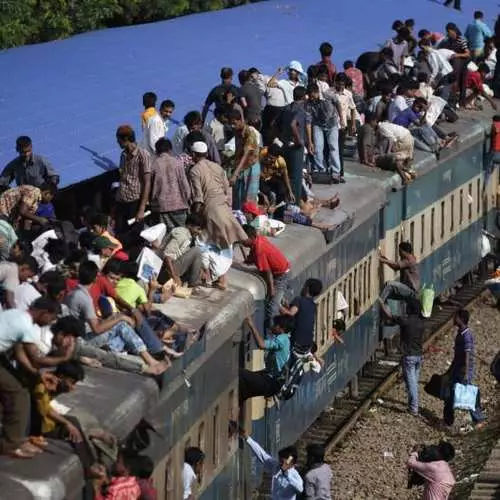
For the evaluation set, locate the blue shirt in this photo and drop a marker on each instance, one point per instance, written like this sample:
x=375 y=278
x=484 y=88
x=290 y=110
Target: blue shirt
x=278 y=352
x=406 y=118
x=285 y=485
x=476 y=33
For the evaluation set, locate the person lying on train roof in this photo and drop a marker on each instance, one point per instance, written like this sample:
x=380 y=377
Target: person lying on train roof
x=273 y=266
x=286 y=481
x=409 y=281
x=267 y=382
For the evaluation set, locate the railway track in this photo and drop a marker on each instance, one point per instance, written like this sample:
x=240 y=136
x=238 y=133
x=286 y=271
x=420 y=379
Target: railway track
x=378 y=376
x=487 y=485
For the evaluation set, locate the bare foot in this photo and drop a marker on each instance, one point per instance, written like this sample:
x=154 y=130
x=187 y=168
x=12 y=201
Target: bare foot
x=157 y=369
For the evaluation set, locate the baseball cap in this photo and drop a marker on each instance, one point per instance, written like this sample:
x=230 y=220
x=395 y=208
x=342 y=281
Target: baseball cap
x=101 y=242
x=250 y=207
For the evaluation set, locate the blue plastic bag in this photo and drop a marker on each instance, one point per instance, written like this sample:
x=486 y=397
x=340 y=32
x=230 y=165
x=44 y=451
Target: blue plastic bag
x=465 y=397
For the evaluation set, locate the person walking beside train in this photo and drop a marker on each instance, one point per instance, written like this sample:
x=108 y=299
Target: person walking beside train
x=412 y=328
x=409 y=282
x=286 y=481
x=462 y=369
x=318 y=479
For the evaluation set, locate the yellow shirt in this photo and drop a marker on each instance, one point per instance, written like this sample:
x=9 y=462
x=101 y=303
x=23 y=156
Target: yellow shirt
x=268 y=170
x=43 y=398
x=113 y=240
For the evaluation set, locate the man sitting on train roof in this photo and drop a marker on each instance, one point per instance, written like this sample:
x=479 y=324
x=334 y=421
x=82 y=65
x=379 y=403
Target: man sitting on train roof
x=28 y=168
x=409 y=282
x=267 y=382
x=116 y=332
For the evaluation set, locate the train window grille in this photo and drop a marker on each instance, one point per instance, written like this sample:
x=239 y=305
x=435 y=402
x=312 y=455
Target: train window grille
x=478 y=196
x=443 y=219
x=469 y=201
x=452 y=213
x=396 y=245
x=412 y=233
x=461 y=207
x=215 y=437
x=433 y=222
x=422 y=234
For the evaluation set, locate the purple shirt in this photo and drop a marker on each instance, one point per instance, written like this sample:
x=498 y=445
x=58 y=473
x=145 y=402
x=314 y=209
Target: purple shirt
x=406 y=118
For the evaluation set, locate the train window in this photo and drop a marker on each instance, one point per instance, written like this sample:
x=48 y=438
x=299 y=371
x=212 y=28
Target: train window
x=355 y=282
x=215 y=437
x=360 y=284
x=422 y=234
x=201 y=436
x=169 y=480
x=187 y=444
x=365 y=294
x=350 y=296
x=479 y=197
x=469 y=201
x=369 y=281
x=433 y=222
x=452 y=213
x=231 y=406
x=396 y=245
x=461 y=207
x=442 y=219
x=412 y=233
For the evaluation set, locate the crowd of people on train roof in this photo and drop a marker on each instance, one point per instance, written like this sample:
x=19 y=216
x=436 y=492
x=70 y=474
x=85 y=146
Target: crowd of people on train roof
x=226 y=181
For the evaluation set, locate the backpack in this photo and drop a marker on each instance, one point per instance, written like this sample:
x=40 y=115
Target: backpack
x=292 y=377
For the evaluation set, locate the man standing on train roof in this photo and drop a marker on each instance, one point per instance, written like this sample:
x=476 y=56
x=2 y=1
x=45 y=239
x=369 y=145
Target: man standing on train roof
x=409 y=281
x=216 y=95
x=411 y=345
x=153 y=126
x=28 y=168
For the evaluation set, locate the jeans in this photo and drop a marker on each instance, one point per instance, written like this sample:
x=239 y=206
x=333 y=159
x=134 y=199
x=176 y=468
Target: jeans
x=449 y=412
x=121 y=337
x=148 y=335
x=396 y=290
x=246 y=187
x=411 y=373
x=331 y=135
x=294 y=157
x=425 y=138
x=273 y=303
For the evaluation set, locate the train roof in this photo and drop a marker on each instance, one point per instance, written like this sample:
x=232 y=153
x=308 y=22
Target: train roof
x=77 y=91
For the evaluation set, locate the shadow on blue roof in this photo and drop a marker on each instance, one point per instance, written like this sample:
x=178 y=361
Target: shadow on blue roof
x=70 y=95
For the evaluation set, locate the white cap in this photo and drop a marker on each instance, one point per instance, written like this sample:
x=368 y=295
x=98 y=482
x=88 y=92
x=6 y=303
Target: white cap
x=199 y=147
x=295 y=65
x=115 y=185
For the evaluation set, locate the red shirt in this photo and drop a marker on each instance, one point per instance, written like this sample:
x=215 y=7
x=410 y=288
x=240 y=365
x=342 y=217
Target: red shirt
x=332 y=70
x=120 y=255
x=121 y=488
x=358 y=86
x=71 y=284
x=474 y=81
x=102 y=286
x=495 y=137
x=267 y=257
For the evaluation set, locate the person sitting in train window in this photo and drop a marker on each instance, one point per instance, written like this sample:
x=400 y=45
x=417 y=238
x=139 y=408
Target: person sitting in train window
x=475 y=87
x=409 y=282
x=267 y=382
x=273 y=266
x=318 y=479
x=286 y=481
x=303 y=310
x=192 y=471
x=142 y=469
x=28 y=168
x=494 y=153
x=116 y=332
x=181 y=257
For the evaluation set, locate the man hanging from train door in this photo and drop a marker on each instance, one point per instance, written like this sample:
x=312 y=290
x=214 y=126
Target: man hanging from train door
x=409 y=281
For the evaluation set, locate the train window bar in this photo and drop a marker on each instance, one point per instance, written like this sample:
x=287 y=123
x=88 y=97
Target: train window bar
x=369 y=275
x=479 y=197
x=422 y=234
x=412 y=233
x=201 y=436
x=169 y=480
x=452 y=213
x=433 y=222
x=442 y=219
x=461 y=207
x=215 y=437
x=396 y=245
x=470 y=201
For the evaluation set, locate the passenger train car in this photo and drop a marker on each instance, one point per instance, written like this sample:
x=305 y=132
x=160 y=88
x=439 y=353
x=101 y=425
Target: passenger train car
x=442 y=213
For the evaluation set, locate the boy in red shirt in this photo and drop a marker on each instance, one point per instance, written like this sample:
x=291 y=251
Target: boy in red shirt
x=474 y=81
x=272 y=265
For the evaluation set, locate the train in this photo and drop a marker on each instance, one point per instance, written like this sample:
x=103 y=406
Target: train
x=442 y=213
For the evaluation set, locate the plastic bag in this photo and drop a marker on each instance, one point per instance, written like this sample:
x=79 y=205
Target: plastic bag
x=427 y=295
x=465 y=397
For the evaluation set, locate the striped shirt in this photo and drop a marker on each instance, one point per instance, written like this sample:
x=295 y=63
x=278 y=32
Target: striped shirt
x=133 y=167
x=459 y=45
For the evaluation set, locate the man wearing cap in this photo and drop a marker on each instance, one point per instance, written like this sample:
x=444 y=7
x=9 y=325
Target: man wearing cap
x=210 y=190
x=251 y=211
x=104 y=249
x=295 y=73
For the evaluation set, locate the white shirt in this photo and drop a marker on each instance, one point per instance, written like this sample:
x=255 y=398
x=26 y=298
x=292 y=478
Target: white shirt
x=24 y=295
x=275 y=96
x=16 y=326
x=287 y=87
x=439 y=63
x=188 y=478
x=153 y=130
x=397 y=105
x=393 y=131
x=323 y=87
x=216 y=129
x=178 y=139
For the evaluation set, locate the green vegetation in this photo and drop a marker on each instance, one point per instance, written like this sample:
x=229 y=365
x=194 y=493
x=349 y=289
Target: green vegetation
x=32 y=21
